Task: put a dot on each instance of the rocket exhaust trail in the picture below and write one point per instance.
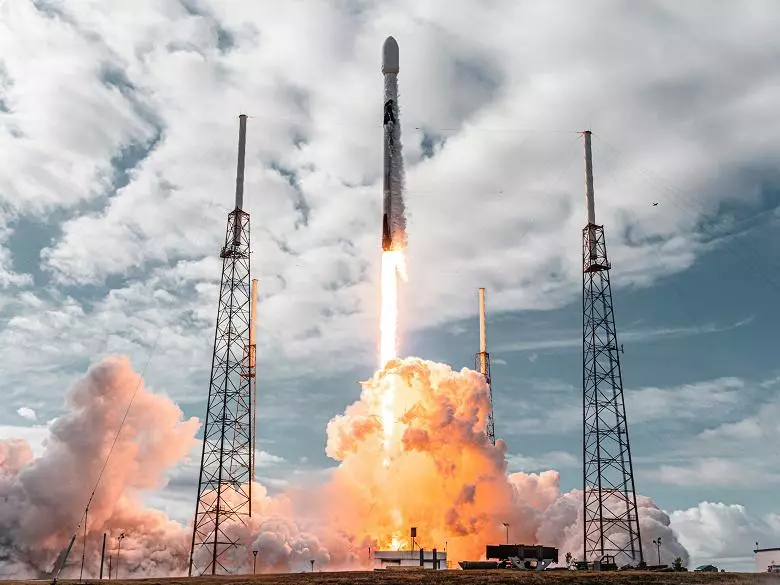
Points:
(393, 216)
(393, 245)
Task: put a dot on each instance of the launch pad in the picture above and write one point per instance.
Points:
(514, 556)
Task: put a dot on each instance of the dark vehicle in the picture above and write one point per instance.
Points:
(706, 569)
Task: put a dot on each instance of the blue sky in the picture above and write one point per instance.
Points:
(117, 132)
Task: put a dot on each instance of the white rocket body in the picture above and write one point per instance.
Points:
(393, 214)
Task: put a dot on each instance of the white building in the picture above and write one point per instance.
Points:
(396, 559)
(767, 557)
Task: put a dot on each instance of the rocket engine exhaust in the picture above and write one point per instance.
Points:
(393, 266)
(393, 212)
(393, 216)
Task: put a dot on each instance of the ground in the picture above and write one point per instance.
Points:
(462, 578)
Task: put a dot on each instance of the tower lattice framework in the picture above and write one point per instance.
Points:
(224, 485)
(611, 526)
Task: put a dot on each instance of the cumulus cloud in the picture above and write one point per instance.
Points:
(647, 405)
(685, 401)
(118, 134)
(26, 412)
(551, 460)
(114, 162)
(724, 534)
(716, 471)
(729, 454)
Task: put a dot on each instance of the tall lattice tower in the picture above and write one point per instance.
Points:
(224, 486)
(611, 524)
(482, 364)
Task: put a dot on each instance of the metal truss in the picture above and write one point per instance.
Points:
(611, 526)
(224, 486)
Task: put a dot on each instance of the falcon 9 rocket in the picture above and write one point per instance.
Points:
(393, 216)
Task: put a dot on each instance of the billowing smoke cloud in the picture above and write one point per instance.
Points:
(446, 478)
(561, 523)
(435, 470)
(42, 500)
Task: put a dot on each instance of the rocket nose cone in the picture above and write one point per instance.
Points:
(390, 56)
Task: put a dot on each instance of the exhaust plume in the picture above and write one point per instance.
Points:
(436, 470)
(43, 499)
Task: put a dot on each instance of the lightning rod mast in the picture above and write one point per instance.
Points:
(611, 526)
(482, 360)
(224, 483)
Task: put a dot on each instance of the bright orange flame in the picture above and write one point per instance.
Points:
(393, 267)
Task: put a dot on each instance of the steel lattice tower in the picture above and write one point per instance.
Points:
(482, 365)
(611, 526)
(224, 486)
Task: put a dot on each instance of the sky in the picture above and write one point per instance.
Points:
(118, 129)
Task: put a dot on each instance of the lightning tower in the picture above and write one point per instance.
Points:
(224, 486)
(611, 526)
(482, 363)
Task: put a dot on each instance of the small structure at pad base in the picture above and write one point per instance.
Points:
(410, 559)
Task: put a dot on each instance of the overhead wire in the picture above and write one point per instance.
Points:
(330, 122)
(675, 198)
(688, 307)
(692, 315)
(150, 355)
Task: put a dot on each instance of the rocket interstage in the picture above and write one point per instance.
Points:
(393, 213)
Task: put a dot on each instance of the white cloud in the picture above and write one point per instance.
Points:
(119, 76)
(724, 534)
(693, 401)
(759, 430)
(499, 205)
(705, 402)
(265, 459)
(627, 335)
(553, 460)
(718, 472)
(63, 123)
(27, 413)
(733, 454)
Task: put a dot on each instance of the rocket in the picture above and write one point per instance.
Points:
(393, 216)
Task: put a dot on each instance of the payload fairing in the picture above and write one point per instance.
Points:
(393, 216)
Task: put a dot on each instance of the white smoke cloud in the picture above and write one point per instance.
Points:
(442, 475)
(564, 517)
(44, 498)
